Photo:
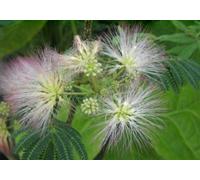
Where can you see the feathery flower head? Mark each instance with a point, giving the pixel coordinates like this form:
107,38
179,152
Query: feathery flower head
90,106
133,51
130,115
84,57
34,87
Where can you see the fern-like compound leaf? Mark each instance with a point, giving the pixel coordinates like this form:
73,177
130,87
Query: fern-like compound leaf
178,73
38,147
24,141
58,142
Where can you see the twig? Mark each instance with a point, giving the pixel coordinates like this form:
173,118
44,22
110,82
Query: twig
72,111
103,150
87,29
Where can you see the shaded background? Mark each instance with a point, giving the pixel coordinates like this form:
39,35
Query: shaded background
180,138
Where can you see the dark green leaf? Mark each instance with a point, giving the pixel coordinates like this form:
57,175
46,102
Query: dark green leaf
14,36
179,25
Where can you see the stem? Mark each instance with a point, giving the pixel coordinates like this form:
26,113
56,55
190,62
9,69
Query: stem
104,148
102,151
117,75
93,84
87,29
73,26
72,110
86,35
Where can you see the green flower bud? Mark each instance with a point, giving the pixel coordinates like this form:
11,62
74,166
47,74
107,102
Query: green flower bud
90,106
92,68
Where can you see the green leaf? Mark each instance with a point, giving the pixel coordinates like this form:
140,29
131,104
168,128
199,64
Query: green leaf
24,141
162,27
179,25
179,38
59,141
62,147
76,142
79,148
38,147
88,128
6,22
185,51
15,35
50,153
179,138
133,154
178,72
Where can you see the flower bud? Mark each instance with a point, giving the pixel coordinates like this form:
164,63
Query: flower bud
90,106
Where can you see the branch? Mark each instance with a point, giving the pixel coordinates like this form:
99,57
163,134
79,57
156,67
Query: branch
87,29
72,111
103,150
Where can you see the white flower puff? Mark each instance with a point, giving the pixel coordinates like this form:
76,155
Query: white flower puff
34,87
131,115
133,50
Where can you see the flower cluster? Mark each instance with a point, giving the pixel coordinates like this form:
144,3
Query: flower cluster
34,87
90,106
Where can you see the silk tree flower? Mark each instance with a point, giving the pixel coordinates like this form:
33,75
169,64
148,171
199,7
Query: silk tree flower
133,51
84,57
34,87
131,116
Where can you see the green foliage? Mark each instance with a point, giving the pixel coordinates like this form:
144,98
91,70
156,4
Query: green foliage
88,129
185,42
16,34
58,142
179,138
133,154
177,74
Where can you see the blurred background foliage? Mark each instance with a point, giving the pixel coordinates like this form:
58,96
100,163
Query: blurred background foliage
180,136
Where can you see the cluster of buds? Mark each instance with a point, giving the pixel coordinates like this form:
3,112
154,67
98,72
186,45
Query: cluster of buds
90,106
92,67
69,87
